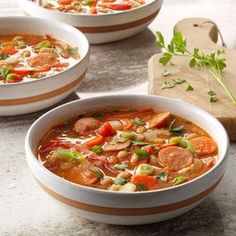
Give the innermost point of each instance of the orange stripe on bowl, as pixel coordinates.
(112, 28)
(130, 211)
(44, 96)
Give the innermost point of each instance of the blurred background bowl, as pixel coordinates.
(101, 28)
(30, 96)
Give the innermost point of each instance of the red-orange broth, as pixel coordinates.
(30, 57)
(128, 150)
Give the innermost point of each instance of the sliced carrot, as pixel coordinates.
(204, 146)
(65, 2)
(10, 51)
(93, 10)
(159, 119)
(147, 181)
(175, 158)
(95, 141)
(134, 114)
(106, 130)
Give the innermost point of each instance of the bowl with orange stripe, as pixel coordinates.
(39, 66)
(127, 208)
(102, 21)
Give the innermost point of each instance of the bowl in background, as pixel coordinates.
(30, 96)
(105, 27)
(121, 207)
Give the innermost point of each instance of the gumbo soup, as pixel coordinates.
(29, 57)
(92, 6)
(128, 150)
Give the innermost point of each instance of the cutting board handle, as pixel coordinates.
(199, 32)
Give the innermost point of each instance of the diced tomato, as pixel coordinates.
(119, 7)
(10, 51)
(106, 130)
(149, 182)
(95, 141)
(93, 10)
(65, 2)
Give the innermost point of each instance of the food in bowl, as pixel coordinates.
(128, 150)
(29, 57)
(91, 6)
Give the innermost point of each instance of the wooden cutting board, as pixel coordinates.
(203, 34)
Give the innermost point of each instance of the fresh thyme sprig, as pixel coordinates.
(214, 63)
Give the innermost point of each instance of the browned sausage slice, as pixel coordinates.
(175, 158)
(86, 125)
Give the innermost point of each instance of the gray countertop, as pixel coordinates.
(27, 210)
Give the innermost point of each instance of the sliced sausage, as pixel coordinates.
(204, 146)
(159, 119)
(116, 147)
(45, 58)
(86, 125)
(175, 158)
(52, 162)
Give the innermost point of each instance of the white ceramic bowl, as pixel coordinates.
(102, 28)
(128, 208)
(26, 97)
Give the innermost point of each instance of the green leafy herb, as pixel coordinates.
(140, 187)
(137, 121)
(213, 62)
(165, 73)
(10, 77)
(176, 130)
(69, 155)
(163, 176)
(43, 44)
(121, 166)
(20, 44)
(3, 56)
(127, 135)
(212, 96)
(179, 180)
(87, 2)
(97, 172)
(97, 149)
(120, 181)
(189, 88)
(4, 72)
(73, 50)
(139, 143)
(168, 84)
(141, 153)
(179, 81)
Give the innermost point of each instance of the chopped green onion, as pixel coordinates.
(179, 81)
(120, 181)
(141, 153)
(175, 130)
(165, 73)
(121, 166)
(69, 155)
(97, 172)
(168, 84)
(140, 143)
(43, 44)
(179, 180)
(128, 135)
(145, 169)
(97, 149)
(73, 50)
(189, 88)
(137, 121)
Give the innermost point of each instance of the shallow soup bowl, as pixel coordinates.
(121, 207)
(101, 28)
(29, 96)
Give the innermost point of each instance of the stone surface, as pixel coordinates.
(115, 68)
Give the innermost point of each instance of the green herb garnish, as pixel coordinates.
(179, 180)
(3, 56)
(72, 50)
(179, 81)
(168, 84)
(212, 96)
(176, 130)
(97, 149)
(165, 73)
(139, 143)
(4, 72)
(140, 187)
(97, 172)
(189, 88)
(141, 153)
(163, 176)
(43, 44)
(214, 63)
